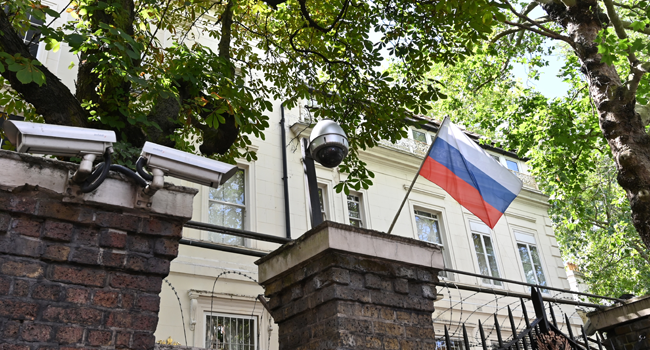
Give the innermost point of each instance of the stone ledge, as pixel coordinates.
(334, 236)
(19, 170)
(618, 315)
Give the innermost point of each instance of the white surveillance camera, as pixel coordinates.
(186, 166)
(58, 140)
(328, 143)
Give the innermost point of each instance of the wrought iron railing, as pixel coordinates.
(540, 333)
(420, 149)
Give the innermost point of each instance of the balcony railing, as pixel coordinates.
(420, 149)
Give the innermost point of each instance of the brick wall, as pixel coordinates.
(625, 326)
(76, 275)
(337, 299)
(631, 336)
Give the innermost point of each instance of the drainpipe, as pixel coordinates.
(285, 178)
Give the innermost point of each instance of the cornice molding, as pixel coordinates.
(435, 194)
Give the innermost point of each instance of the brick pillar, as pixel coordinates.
(341, 287)
(625, 326)
(81, 271)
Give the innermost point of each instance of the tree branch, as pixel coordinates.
(313, 24)
(551, 35)
(53, 100)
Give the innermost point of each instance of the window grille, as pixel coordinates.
(228, 332)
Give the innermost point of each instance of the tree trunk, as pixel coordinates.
(620, 124)
(53, 100)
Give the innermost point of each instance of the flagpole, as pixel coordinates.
(416, 176)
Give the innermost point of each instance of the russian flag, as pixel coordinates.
(473, 178)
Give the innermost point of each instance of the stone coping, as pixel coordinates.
(20, 169)
(617, 315)
(335, 236)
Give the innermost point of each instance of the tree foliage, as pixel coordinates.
(145, 72)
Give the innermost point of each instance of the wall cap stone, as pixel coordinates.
(335, 236)
(614, 316)
(19, 170)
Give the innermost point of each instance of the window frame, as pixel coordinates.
(447, 253)
(427, 135)
(528, 239)
(363, 213)
(250, 198)
(244, 207)
(489, 234)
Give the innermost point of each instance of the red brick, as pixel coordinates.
(88, 256)
(67, 335)
(5, 219)
(77, 296)
(154, 265)
(22, 269)
(132, 320)
(25, 204)
(139, 282)
(36, 332)
(127, 300)
(11, 330)
(149, 303)
(56, 252)
(155, 226)
(166, 247)
(5, 284)
(118, 221)
(47, 292)
(123, 339)
(136, 262)
(56, 230)
(81, 315)
(113, 259)
(143, 341)
(100, 338)
(58, 210)
(86, 236)
(21, 288)
(18, 309)
(77, 275)
(26, 227)
(139, 244)
(111, 238)
(22, 246)
(14, 347)
(106, 298)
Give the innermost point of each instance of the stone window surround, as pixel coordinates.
(440, 211)
(226, 304)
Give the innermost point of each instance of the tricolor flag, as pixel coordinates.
(470, 175)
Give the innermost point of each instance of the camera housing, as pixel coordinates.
(186, 166)
(328, 143)
(58, 140)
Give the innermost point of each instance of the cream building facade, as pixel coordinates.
(213, 299)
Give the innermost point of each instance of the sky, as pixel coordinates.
(548, 84)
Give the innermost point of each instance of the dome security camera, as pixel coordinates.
(328, 143)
